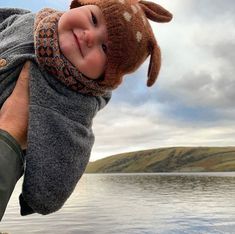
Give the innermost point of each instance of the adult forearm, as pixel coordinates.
(11, 167)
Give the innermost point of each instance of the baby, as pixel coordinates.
(78, 57)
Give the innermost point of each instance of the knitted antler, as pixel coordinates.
(154, 65)
(155, 12)
(158, 14)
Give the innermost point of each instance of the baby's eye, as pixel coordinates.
(94, 19)
(104, 47)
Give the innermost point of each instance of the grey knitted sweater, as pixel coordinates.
(60, 136)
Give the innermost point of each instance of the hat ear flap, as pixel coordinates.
(74, 4)
(155, 12)
(154, 65)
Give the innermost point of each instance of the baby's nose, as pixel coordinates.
(90, 38)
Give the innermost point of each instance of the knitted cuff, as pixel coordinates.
(25, 209)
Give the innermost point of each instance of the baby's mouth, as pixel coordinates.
(79, 46)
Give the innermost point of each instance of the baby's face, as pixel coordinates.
(83, 39)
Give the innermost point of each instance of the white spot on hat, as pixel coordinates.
(138, 6)
(134, 9)
(122, 1)
(127, 16)
(144, 19)
(138, 36)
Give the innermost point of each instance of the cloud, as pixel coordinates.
(192, 102)
(212, 10)
(126, 128)
(199, 67)
(212, 86)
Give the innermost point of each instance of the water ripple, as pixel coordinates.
(136, 203)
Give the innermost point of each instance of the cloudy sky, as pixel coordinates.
(192, 103)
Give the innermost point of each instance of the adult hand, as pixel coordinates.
(14, 113)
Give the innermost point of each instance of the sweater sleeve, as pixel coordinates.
(7, 12)
(60, 139)
(11, 167)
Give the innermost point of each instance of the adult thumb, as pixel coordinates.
(22, 84)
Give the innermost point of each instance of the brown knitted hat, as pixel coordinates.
(130, 37)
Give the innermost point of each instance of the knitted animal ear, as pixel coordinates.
(154, 64)
(155, 12)
(74, 4)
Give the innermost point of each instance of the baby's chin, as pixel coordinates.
(92, 78)
(85, 70)
(88, 73)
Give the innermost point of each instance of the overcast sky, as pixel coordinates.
(192, 103)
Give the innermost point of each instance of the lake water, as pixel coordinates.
(136, 203)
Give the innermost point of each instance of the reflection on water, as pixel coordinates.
(137, 203)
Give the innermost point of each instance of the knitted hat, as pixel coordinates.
(130, 37)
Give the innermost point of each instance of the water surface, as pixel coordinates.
(137, 203)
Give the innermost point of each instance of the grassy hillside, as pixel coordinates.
(176, 159)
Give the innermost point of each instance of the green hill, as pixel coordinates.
(176, 159)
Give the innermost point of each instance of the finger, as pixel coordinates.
(22, 84)
(24, 74)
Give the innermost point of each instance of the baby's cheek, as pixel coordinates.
(96, 62)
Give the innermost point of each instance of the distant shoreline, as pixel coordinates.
(168, 160)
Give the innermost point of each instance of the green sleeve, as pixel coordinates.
(11, 167)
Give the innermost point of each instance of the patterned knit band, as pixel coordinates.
(51, 58)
